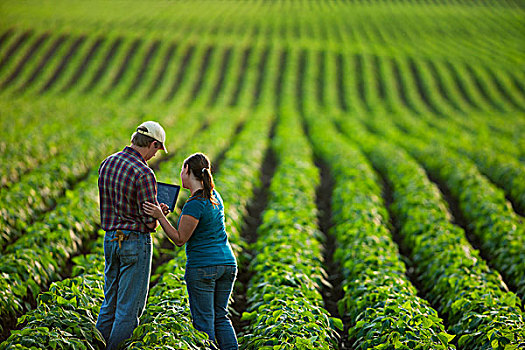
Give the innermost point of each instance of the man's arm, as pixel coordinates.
(147, 192)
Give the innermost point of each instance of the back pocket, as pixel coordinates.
(129, 252)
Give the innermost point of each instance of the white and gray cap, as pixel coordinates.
(153, 130)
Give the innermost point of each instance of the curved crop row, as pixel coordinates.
(38, 323)
(22, 59)
(38, 191)
(499, 126)
(382, 304)
(36, 134)
(39, 256)
(490, 217)
(168, 299)
(502, 169)
(11, 44)
(285, 305)
(51, 63)
(235, 181)
(478, 307)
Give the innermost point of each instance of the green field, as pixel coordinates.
(370, 154)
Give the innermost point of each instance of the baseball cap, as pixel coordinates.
(153, 130)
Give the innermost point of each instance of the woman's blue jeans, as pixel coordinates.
(126, 282)
(209, 290)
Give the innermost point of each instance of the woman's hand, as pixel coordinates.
(165, 208)
(153, 210)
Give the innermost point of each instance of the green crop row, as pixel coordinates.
(40, 320)
(490, 143)
(382, 304)
(168, 298)
(285, 304)
(39, 190)
(489, 216)
(236, 181)
(66, 314)
(332, 27)
(39, 257)
(406, 27)
(434, 85)
(120, 65)
(240, 173)
(502, 169)
(37, 133)
(488, 151)
(504, 135)
(454, 277)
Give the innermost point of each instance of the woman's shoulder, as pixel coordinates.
(217, 195)
(195, 201)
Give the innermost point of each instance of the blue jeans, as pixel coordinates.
(209, 289)
(126, 281)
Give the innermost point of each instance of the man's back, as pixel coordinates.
(125, 182)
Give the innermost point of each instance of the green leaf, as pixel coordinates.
(248, 316)
(445, 338)
(337, 323)
(464, 339)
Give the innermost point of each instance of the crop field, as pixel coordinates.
(370, 154)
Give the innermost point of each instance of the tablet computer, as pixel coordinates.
(167, 194)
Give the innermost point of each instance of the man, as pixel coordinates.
(125, 182)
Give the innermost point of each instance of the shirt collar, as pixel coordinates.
(135, 153)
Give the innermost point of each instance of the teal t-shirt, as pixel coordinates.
(208, 245)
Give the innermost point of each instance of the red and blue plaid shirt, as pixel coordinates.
(125, 182)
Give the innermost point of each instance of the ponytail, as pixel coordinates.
(209, 185)
(200, 166)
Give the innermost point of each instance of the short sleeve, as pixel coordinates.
(219, 198)
(146, 192)
(193, 208)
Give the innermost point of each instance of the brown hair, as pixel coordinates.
(141, 140)
(200, 166)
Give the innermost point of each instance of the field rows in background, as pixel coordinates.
(477, 85)
(262, 64)
(370, 68)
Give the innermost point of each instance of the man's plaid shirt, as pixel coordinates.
(125, 182)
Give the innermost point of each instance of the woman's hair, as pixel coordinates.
(200, 166)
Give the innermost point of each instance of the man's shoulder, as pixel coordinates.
(127, 161)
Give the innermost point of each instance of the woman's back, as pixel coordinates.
(209, 244)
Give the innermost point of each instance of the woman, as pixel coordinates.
(211, 267)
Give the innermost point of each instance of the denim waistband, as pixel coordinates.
(127, 232)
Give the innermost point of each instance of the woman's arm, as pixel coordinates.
(186, 226)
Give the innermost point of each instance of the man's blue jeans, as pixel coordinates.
(209, 289)
(126, 281)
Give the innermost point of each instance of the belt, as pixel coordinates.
(119, 237)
